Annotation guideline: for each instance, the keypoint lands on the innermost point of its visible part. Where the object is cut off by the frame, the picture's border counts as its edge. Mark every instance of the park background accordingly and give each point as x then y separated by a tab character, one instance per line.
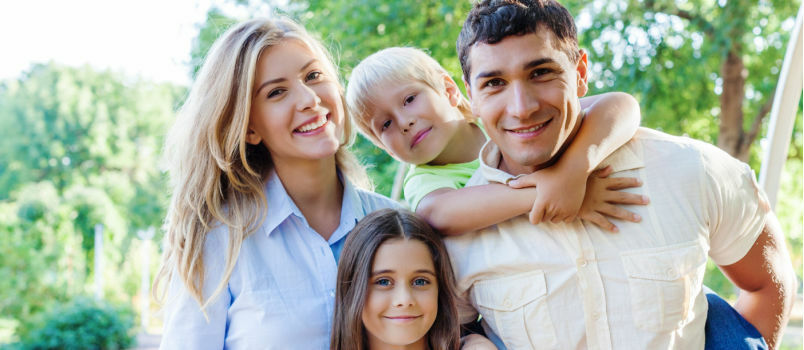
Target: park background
80	144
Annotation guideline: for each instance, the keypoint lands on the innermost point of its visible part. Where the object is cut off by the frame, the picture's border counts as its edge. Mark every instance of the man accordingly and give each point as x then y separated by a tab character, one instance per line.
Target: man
571	285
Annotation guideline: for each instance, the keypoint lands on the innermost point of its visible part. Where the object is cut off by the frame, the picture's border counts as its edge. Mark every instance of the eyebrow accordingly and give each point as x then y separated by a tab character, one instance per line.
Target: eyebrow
380	272
279	80
526	66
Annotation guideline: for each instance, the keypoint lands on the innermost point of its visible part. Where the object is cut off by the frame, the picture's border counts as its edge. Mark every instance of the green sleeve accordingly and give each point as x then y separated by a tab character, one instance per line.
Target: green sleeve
419	185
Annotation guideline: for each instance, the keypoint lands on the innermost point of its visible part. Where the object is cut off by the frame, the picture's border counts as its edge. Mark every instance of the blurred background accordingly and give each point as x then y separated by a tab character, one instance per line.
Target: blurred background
88	89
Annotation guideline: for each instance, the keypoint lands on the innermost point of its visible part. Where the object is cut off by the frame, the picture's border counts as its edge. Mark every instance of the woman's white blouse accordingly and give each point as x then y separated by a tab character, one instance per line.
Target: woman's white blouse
282	289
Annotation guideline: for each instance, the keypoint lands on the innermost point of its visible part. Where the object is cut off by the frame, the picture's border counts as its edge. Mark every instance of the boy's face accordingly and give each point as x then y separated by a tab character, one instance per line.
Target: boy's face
414	122
526	92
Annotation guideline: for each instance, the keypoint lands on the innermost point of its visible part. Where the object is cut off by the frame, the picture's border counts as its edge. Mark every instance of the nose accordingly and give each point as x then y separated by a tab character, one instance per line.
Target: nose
522	103
402	297
307	98
405	123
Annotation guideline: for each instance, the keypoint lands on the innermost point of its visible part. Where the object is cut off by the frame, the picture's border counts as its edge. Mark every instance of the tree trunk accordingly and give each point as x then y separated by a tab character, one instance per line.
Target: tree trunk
732	135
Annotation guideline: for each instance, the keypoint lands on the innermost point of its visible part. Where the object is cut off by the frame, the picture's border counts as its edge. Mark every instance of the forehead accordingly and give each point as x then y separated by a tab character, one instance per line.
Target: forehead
289	55
403	255
513	52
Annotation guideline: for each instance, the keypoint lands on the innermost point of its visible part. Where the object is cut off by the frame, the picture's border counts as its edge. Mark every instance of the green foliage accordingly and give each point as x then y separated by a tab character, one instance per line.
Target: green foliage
83	324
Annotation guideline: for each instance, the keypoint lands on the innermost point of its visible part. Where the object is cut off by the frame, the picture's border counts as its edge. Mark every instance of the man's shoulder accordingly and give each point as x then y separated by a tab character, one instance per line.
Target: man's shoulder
653	141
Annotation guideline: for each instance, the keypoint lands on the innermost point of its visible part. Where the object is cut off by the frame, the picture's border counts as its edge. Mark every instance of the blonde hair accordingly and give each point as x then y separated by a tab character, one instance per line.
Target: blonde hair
216	177
393	65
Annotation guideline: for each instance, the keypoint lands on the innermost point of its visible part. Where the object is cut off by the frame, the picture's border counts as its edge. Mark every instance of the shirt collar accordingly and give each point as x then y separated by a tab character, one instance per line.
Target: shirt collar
627	157
281	206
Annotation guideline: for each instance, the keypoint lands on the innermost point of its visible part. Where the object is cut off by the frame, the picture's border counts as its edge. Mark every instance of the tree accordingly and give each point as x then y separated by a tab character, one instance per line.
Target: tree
702	67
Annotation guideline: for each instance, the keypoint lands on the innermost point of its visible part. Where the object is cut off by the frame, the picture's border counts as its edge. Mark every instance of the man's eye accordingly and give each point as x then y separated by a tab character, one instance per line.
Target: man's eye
409	99
275	92
383	282
421	282
494	83
539	72
312	76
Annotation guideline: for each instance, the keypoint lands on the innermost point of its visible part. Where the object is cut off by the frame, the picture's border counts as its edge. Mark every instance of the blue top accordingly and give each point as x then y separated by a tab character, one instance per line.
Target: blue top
282	289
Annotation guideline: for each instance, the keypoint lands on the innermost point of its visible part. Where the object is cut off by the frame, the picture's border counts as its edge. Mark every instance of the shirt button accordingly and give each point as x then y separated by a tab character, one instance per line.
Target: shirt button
595	315
670	272
582	262
331	293
507	302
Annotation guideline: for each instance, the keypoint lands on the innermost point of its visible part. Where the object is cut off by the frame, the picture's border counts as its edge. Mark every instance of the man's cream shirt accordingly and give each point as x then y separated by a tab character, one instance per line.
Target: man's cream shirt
575	286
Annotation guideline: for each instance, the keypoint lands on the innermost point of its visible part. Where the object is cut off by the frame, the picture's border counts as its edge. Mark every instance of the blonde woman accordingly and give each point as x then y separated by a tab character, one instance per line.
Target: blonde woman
264	194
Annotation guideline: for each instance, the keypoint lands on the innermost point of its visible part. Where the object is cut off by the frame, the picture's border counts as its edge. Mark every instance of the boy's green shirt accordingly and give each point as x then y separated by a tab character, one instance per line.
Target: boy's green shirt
423	179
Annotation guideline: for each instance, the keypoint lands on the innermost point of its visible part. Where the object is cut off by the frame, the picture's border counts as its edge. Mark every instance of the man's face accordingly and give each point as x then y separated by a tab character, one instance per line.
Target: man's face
527	93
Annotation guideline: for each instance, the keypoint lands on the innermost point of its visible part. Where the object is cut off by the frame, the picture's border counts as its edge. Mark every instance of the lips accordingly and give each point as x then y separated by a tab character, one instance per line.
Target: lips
420	136
531	130
406	318
313	124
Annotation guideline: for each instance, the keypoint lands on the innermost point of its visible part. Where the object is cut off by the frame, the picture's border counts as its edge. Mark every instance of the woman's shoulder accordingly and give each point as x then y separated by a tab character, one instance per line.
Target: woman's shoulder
372	201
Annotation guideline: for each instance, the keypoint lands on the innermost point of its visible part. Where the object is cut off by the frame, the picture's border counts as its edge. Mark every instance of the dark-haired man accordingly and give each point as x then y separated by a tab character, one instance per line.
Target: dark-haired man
571	285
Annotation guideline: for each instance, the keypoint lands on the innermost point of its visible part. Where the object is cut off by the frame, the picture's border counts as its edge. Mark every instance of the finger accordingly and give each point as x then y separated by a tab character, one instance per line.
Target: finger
620	197
521	182
619	183
605	172
618	212
536	215
601	222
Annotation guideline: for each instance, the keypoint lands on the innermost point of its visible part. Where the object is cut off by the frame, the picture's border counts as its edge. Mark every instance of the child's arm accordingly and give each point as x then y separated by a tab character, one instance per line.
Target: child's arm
455	211
611	120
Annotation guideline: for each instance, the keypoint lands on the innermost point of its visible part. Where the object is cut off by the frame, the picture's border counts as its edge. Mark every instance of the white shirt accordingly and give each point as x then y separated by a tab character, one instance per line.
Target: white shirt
574	286
281	292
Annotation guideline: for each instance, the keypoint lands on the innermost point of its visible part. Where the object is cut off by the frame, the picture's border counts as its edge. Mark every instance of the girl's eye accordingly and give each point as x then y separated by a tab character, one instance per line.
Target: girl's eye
312	76
421	282
275	92
383	282
385	125
409	99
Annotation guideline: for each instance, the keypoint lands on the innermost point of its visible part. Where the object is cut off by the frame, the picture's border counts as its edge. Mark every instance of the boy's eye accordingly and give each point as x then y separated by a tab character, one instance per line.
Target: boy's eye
421	282
383	282
275	92
312	76
385	125
494	82
409	99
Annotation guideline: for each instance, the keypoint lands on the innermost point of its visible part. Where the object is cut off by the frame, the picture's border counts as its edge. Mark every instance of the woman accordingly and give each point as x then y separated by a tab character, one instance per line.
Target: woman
263	195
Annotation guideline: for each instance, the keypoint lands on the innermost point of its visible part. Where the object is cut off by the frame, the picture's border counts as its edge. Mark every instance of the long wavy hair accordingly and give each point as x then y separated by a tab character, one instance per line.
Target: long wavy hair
354	272
216	177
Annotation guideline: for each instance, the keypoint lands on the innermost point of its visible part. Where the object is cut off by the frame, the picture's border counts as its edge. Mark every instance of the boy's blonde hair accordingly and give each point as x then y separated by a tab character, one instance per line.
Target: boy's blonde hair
393	65
217	178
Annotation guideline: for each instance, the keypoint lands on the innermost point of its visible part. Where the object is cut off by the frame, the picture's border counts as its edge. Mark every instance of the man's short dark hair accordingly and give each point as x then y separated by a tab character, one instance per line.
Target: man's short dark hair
491	21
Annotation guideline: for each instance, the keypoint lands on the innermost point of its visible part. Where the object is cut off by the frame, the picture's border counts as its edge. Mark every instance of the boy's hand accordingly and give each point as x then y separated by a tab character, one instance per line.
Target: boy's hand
603	193
559	195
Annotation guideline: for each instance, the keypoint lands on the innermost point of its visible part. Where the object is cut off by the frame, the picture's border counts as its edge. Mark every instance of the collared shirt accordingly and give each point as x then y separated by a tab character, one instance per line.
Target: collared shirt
281	292
574	286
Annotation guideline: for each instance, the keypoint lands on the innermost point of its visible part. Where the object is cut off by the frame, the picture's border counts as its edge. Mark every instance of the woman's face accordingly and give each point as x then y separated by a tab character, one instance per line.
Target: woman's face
296	110
402	296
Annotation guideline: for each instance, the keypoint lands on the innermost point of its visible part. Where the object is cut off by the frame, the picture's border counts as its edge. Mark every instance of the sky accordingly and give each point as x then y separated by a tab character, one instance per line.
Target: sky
144	38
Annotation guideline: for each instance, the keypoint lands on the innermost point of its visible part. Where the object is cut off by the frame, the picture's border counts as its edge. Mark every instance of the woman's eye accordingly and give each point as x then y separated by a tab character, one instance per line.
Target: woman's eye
421	282
312	76
386	125
383	282
409	99
275	92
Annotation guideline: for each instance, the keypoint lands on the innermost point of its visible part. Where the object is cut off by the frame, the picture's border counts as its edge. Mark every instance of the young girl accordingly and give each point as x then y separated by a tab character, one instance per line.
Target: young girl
263	196
396	288
408	105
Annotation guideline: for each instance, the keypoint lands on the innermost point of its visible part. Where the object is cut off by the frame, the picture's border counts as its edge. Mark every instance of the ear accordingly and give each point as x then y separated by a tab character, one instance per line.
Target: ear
452	91
582	74
252	137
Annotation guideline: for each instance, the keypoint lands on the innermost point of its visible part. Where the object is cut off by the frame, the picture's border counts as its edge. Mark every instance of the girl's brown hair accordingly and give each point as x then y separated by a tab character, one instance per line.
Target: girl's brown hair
354	271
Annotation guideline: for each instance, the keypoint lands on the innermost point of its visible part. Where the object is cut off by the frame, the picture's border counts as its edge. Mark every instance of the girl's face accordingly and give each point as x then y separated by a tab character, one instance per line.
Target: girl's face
402	297
414	122
296	110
